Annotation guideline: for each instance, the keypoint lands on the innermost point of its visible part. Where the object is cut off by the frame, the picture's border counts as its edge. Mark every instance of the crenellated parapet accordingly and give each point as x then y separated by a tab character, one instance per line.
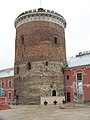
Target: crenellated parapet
40	15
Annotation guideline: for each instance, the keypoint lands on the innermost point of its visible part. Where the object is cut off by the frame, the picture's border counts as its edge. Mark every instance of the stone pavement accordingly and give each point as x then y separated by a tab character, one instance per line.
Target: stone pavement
49	112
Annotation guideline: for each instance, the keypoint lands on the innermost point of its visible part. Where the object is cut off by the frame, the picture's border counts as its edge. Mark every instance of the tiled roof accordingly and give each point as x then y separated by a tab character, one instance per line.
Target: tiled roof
78	61
7	72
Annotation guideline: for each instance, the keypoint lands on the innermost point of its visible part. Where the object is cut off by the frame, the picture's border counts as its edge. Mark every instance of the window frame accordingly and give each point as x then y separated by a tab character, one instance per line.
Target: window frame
79	76
2	85
52	91
67	77
9	95
10	84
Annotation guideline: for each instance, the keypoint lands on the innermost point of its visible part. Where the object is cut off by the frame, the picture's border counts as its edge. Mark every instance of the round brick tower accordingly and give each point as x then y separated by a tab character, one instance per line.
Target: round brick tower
39	55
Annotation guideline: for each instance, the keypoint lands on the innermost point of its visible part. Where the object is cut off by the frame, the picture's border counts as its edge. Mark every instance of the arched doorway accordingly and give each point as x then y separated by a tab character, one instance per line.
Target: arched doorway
53	92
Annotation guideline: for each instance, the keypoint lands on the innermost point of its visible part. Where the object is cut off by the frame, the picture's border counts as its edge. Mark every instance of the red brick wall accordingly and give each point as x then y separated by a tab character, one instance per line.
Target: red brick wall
86	93
39	42
72	75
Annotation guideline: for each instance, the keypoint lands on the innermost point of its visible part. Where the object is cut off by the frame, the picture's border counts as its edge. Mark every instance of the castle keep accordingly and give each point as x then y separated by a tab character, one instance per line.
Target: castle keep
40	55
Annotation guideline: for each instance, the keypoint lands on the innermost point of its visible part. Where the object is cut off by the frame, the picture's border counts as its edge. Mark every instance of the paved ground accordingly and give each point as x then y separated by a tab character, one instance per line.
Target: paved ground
49	112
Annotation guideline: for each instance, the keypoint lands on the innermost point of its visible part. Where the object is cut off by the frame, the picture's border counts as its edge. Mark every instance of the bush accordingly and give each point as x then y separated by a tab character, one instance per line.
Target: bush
55	102
63	101
45	102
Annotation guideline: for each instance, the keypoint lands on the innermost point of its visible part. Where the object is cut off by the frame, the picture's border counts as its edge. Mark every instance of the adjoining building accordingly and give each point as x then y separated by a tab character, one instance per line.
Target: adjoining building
77	78
40	55
7	84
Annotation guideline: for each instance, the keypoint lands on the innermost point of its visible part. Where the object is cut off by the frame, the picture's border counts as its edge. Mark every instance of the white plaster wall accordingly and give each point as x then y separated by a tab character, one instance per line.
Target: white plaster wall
50	100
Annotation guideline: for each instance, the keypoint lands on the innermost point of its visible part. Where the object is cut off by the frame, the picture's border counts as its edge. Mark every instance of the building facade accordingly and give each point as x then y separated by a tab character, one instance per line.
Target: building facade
40	55
77	78
7	84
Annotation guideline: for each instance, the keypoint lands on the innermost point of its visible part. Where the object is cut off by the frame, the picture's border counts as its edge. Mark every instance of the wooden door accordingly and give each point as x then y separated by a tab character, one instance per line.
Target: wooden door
68	96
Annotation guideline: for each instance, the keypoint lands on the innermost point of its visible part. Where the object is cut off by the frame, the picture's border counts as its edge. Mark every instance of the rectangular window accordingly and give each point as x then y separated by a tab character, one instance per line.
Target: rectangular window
79	76
10	83
9	96
67	77
2	84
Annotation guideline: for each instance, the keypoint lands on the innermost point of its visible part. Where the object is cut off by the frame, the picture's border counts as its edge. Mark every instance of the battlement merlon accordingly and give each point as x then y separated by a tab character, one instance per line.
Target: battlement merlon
40	15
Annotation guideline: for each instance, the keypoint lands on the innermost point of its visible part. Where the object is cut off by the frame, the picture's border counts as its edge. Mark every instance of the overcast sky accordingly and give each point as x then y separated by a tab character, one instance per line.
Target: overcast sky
77	32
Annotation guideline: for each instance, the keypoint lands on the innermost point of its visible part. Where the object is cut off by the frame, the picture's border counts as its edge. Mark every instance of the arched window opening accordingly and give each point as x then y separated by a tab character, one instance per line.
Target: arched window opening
22	39
51	86
22	55
55	39
14	92
17	97
29	66
53	92
46	63
17	70
19	78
